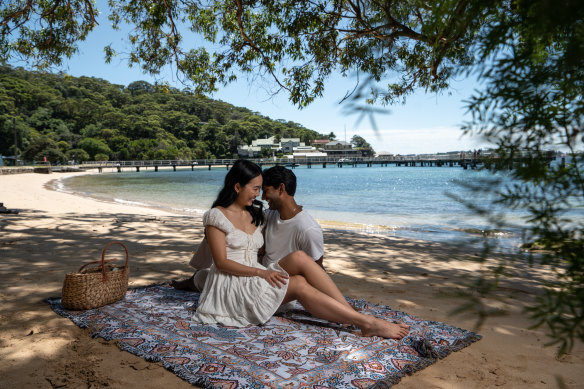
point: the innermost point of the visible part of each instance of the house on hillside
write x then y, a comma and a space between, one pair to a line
255, 149
287, 145
244, 151
269, 143
320, 143
341, 149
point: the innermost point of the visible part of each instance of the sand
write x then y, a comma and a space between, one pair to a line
55, 233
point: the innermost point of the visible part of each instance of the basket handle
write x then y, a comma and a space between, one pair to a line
103, 261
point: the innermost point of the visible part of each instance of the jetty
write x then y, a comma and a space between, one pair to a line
292, 163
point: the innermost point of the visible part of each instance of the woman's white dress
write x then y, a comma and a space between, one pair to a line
234, 300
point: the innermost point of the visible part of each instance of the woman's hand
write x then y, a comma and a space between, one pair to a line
274, 278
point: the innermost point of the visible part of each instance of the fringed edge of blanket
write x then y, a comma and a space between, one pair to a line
429, 356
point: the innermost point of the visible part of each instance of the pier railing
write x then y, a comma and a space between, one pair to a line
291, 162
274, 161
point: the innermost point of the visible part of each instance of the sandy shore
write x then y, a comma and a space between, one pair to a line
55, 233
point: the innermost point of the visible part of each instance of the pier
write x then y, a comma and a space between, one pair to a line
120, 166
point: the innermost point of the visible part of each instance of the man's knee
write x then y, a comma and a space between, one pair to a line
199, 279
297, 255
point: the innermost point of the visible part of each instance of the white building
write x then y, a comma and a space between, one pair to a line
249, 151
266, 142
307, 153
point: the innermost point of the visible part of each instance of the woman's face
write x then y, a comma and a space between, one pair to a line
248, 193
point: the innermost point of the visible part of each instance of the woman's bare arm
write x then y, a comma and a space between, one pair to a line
216, 240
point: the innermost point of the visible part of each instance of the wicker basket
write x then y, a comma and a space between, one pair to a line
97, 286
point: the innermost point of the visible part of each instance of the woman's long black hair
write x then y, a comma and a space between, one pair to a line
242, 172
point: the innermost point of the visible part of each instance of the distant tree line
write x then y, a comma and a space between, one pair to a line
62, 118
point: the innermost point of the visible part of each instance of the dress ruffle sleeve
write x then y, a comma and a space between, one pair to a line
215, 218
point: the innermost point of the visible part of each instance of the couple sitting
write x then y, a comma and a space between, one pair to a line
238, 290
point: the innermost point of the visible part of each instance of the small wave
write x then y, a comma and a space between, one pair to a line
57, 185
190, 210
128, 202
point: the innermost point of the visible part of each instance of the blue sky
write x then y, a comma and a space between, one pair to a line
427, 123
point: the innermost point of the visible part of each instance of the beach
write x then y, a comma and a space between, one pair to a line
55, 233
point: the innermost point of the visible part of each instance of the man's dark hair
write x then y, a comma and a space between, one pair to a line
277, 175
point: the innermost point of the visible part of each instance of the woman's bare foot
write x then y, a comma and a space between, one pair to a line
385, 329
186, 284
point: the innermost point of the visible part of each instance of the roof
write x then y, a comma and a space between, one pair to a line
337, 142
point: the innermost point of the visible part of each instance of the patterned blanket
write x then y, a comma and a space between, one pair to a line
292, 350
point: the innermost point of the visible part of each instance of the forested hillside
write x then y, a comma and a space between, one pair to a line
64, 118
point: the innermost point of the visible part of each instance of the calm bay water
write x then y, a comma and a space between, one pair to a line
400, 201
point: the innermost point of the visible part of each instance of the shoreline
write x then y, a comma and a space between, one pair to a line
56, 232
502, 241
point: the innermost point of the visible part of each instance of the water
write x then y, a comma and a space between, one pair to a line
409, 202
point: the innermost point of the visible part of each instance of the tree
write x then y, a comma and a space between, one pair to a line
532, 104
52, 155
360, 143
35, 148
94, 146
77, 155
101, 157
297, 44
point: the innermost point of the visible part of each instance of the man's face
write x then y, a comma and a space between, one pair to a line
272, 196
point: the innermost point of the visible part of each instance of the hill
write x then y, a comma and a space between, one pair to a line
61, 117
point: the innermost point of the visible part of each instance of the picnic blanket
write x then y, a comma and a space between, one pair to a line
292, 350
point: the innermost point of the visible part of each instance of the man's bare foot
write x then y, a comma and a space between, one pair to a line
385, 329
186, 284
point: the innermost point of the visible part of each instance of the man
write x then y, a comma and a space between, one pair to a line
288, 228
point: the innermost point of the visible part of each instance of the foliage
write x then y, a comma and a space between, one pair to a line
295, 44
46, 31
52, 155
532, 102
101, 157
56, 115
360, 143
77, 155
94, 146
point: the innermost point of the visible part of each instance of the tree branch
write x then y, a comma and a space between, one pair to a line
24, 11
173, 32
444, 37
251, 44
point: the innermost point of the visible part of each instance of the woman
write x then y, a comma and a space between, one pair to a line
240, 291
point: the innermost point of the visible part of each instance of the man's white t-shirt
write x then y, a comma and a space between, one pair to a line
283, 237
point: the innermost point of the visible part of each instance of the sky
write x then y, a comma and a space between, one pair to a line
427, 123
